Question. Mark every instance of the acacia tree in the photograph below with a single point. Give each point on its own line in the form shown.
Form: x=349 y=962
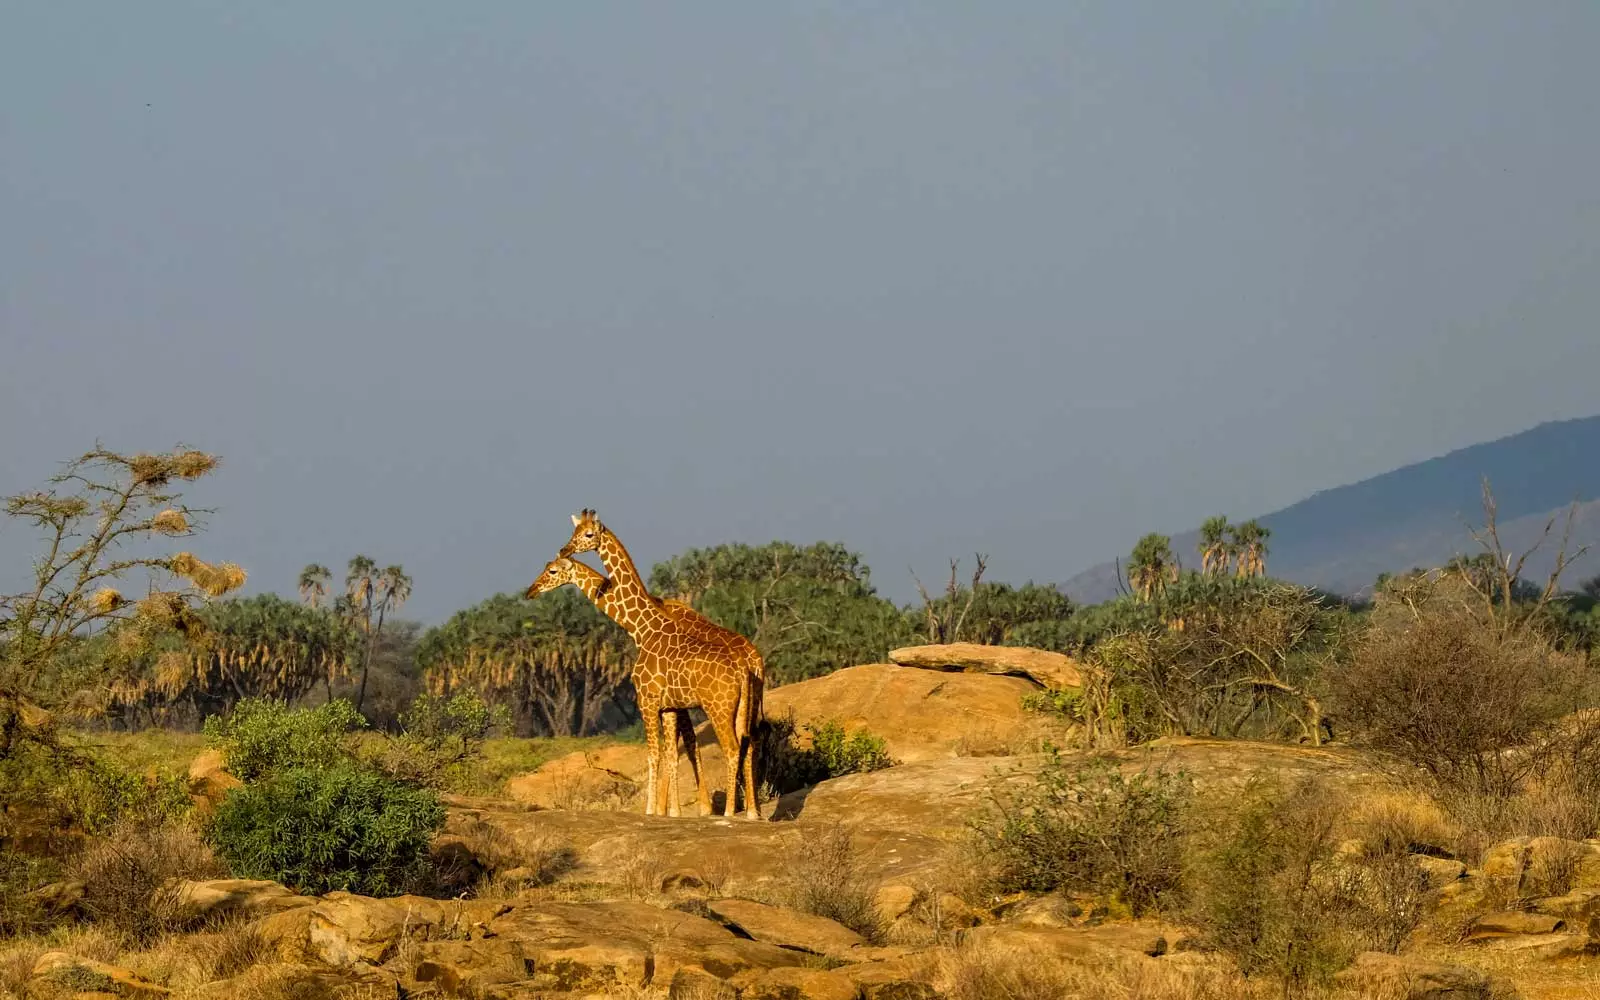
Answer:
x=102 y=519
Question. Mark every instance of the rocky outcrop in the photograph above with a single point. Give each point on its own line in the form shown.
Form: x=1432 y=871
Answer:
x=786 y=928
x=191 y=903
x=1056 y=671
x=606 y=777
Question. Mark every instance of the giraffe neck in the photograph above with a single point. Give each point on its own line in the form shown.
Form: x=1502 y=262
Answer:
x=625 y=576
x=635 y=617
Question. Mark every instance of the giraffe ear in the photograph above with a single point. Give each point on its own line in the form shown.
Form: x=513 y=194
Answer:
x=574 y=520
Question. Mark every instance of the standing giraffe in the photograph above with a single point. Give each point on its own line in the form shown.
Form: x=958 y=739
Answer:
x=589 y=535
x=679 y=665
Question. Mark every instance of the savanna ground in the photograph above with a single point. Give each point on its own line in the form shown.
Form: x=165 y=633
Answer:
x=1246 y=788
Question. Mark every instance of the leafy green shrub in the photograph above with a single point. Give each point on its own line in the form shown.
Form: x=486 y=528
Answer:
x=340 y=827
x=439 y=738
x=64 y=789
x=262 y=736
x=1092 y=829
x=786 y=766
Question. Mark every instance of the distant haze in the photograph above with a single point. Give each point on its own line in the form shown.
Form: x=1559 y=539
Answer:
x=1029 y=279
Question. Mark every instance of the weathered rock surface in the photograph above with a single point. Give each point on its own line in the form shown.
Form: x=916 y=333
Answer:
x=209 y=782
x=64 y=970
x=1056 y=671
x=796 y=984
x=585 y=779
x=1070 y=942
x=193 y=902
x=787 y=928
x=1492 y=925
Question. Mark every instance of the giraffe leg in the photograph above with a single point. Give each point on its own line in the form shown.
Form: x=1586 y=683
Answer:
x=726 y=724
x=651 y=713
x=671 y=761
x=752 y=806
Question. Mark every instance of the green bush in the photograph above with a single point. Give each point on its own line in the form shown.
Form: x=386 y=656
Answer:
x=440 y=738
x=262 y=736
x=65 y=788
x=1091 y=828
x=340 y=827
x=784 y=766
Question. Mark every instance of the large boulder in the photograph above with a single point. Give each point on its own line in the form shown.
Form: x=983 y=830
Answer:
x=1056 y=671
x=787 y=928
x=603 y=778
x=193 y=902
x=920 y=714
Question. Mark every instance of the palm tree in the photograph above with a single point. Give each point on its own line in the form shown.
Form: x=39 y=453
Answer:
x=1214 y=545
x=370 y=594
x=314 y=580
x=1152 y=566
x=1250 y=547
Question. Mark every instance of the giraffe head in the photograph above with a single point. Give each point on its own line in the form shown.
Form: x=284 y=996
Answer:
x=557 y=573
x=586 y=531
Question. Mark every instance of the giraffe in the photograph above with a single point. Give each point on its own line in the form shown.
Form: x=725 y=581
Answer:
x=679 y=665
x=589 y=535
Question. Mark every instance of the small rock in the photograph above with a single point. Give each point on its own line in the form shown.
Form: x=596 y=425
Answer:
x=86 y=975
x=1438 y=872
x=894 y=901
x=898 y=979
x=209 y=782
x=1501 y=924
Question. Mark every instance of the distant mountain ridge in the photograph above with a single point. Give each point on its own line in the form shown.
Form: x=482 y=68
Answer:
x=1340 y=539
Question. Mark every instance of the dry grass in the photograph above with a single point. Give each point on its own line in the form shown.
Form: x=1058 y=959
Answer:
x=996 y=972
x=826 y=879
x=1400 y=821
x=643 y=873
x=123 y=873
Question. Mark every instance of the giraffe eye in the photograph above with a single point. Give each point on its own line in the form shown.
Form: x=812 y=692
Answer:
x=588 y=534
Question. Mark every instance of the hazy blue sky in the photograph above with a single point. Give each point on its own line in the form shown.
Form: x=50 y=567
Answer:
x=1025 y=278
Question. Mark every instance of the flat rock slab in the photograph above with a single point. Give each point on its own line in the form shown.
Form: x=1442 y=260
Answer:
x=1056 y=671
x=787 y=928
